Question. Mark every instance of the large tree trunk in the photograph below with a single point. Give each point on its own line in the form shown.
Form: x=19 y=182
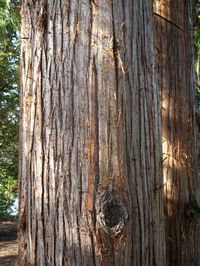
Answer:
x=90 y=182
x=174 y=46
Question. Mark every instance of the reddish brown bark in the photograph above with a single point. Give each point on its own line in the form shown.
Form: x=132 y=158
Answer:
x=90 y=135
x=174 y=47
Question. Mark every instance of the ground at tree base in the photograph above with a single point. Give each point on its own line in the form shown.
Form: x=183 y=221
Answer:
x=8 y=244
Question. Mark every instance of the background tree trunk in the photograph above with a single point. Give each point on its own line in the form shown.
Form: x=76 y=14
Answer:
x=174 y=47
x=90 y=167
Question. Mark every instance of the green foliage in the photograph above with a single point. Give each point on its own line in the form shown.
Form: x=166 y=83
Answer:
x=8 y=187
x=197 y=28
x=198 y=97
x=9 y=91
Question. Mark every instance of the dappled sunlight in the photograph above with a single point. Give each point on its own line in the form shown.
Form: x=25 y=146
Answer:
x=162 y=8
x=169 y=164
x=176 y=105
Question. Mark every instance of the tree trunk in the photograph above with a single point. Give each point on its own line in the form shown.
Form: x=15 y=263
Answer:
x=90 y=165
x=174 y=47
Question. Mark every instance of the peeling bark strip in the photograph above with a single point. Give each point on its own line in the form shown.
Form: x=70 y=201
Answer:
x=90 y=137
x=175 y=61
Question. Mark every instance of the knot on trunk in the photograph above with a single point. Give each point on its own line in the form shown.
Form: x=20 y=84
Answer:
x=192 y=210
x=112 y=213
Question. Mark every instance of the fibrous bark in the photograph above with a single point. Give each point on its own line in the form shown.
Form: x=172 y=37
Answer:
x=175 y=58
x=90 y=182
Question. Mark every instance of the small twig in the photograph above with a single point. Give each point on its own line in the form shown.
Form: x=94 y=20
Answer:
x=169 y=21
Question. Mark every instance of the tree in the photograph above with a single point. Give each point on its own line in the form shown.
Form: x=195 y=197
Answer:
x=175 y=57
x=90 y=150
